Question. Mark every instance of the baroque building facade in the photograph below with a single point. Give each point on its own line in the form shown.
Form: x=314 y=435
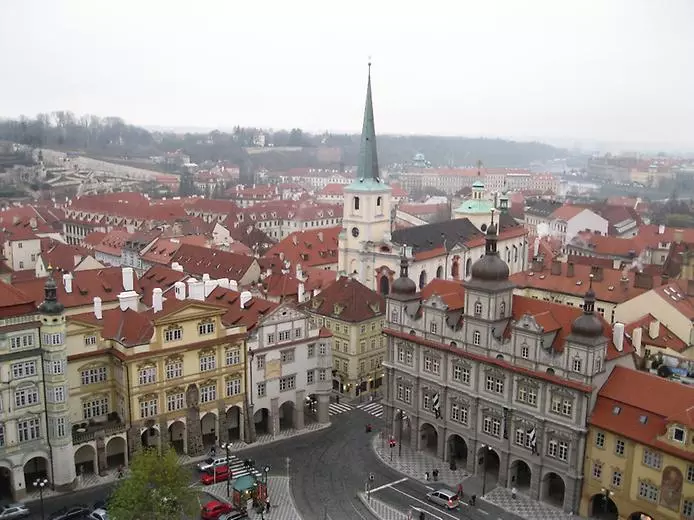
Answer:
x=498 y=383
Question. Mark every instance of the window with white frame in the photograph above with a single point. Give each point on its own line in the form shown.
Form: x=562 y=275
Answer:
x=26 y=396
x=525 y=351
x=409 y=357
x=96 y=407
x=287 y=383
x=261 y=390
x=285 y=335
x=678 y=434
x=174 y=369
x=553 y=448
x=648 y=491
x=690 y=473
x=206 y=327
x=527 y=395
x=433 y=327
x=233 y=356
x=561 y=405
x=310 y=377
x=208 y=393
x=401 y=354
x=208 y=361
x=60 y=427
x=287 y=356
x=311 y=350
x=260 y=362
x=322 y=349
x=23 y=341
x=688 y=508
x=2 y=435
x=491 y=426
x=459 y=413
x=495 y=384
x=233 y=386
x=522 y=438
x=322 y=374
x=298 y=332
x=597 y=470
x=394 y=316
x=478 y=309
x=28 y=429
x=600 y=439
x=476 y=338
x=90 y=340
x=147 y=375
x=576 y=365
x=55 y=394
x=175 y=401
x=431 y=364
x=93 y=375
x=461 y=374
x=270 y=338
x=55 y=367
x=173 y=334
x=652 y=459
x=619 y=447
x=23 y=369
x=149 y=408
x=408 y=394
x=617 y=478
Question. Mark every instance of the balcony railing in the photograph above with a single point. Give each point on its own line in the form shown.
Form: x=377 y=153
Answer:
x=82 y=433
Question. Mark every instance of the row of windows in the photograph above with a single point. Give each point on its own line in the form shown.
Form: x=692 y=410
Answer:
x=288 y=355
x=652 y=459
x=205 y=328
x=176 y=401
x=23 y=341
x=284 y=335
x=27 y=430
x=174 y=369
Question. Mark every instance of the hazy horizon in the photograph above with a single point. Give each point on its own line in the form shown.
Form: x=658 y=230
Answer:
x=612 y=71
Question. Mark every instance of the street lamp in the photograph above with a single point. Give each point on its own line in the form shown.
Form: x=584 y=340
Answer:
x=266 y=470
x=41 y=483
x=226 y=447
x=607 y=494
x=483 y=461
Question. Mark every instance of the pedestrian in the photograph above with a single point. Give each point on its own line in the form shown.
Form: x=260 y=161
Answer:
x=337 y=399
x=460 y=490
x=267 y=504
x=473 y=498
x=435 y=473
x=422 y=516
x=513 y=493
x=426 y=476
x=213 y=451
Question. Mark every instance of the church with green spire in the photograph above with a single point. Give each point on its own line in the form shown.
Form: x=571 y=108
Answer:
x=370 y=247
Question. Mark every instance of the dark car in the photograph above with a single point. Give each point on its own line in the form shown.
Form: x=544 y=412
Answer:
x=71 y=513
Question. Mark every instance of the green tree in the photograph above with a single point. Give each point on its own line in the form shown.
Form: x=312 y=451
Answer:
x=156 y=488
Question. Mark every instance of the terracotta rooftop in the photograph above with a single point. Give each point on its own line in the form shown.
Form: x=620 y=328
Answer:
x=161 y=277
x=309 y=248
x=451 y=292
x=162 y=250
x=249 y=316
x=566 y=212
x=112 y=244
x=610 y=285
x=14 y=302
x=639 y=406
x=665 y=338
x=677 y=294
x=129 y=328
x=198 y=261
x=347 y=300
x=62 y=257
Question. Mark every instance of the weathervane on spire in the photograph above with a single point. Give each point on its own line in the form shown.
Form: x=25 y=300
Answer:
x=369 y=65
x=493 y=210
x=590 y=283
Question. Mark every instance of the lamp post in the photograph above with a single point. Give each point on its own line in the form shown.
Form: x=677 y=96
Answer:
x=607 y=494
x=400 y=434
x=487 y=449
x=226 y=447
x=41 y=483
x=249 y=395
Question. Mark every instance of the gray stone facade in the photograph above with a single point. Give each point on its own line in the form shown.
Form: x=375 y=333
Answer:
x=476 y=382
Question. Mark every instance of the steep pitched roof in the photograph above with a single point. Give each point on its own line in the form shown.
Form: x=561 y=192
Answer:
x=129 y=328
x=158 y=277
x=566 y=212
x=367 y=168
x=452 y=293
x=199 y=260
x=348 y=300
x=62 y=257
x=309 y=248
x=249 y=316
x=664 y=339
x=14 y=302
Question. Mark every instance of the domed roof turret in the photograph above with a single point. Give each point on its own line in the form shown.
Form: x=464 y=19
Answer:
x=403 y=286
x=50 y=304
x=490 y=268
x=588 y=325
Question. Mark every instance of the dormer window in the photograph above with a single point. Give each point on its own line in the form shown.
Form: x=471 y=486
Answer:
x=678 y=434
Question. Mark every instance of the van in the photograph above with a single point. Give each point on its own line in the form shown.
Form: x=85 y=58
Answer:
x=212 y=462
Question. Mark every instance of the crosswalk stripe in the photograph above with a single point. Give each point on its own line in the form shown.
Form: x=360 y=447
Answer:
x=337 y=408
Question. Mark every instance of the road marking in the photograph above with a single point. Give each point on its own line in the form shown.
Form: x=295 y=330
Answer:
x=426 y=511
x=429 y=488
x=483 y=511
x=357 y=511
x=422 y=502
x=388 y=485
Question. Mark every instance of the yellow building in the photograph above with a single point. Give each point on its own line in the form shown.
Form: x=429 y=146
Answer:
x=639 y=457
x=355 y=315
x=171 y=374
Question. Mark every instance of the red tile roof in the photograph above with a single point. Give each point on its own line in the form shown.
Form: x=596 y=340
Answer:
x=158 y=277
x=249 y=316
x=611 y=285
x=112 y=244
x=639 y=406
x=62 y=257
x=452 y=293
x=566 y=212
x=162 y=250
x=105 y=283
x=198 y=261
x=129 y=328
x=309 y=248
x=93 y=239
x=348 y=300
x=665 y=338
x=14 y=302
x=675 y=294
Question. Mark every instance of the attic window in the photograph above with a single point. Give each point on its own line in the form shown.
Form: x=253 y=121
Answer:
x=616 y=410
x=643 y=419
x=678 y=434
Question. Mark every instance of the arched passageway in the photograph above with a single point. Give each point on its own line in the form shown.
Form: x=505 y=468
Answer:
x=6 y=485
x=261 y=419
x=115 y=452
x=603 y=507
x=35 y=468
x=287 y=415
x=553 y=490
x=208 y=426
x=521 y=475
x=177 y=432
x=85 y=460
x=457 y=449
x=234 y=423
x=429 y=438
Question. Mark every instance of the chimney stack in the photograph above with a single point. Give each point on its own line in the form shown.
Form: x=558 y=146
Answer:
x=180 y=290
x=128 y=300
x=661 y=229
x=556 y=267
x=177 y=267
x=205 y=277
x=618 y=336
x=299 y=273
x=301 y=293
x=245 y=297
x=157 y=299
x=67 y=282
x=570 y=269
x=196 y=290
x=223 y=283
x=654 y=329
x=643 y=281
x=127 y=279
x=636 y=336
x=233 y=285
x=97 y=308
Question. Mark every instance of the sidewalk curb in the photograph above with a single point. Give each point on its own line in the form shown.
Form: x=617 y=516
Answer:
x=367 y=503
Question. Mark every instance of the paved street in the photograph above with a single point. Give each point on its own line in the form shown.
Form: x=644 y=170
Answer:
x=327 y=469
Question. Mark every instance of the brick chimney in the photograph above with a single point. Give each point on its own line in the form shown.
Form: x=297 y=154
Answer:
x=597 y=273
x=556 y=267
x=538 y=264
x=570 y=269
x=643 y=281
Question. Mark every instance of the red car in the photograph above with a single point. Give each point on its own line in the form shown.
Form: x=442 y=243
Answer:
x=218 y=474
x=214 y=509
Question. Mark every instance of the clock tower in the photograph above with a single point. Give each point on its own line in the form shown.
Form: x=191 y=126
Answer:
x=367 y=205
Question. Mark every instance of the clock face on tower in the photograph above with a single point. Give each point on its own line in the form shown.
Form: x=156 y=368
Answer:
x=355 y=232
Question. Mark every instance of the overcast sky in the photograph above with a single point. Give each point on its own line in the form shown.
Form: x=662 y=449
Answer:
x=617 y=70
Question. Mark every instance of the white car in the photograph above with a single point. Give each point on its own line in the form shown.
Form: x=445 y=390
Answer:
x=98 y=514
x=12 y=511
x=212 y=462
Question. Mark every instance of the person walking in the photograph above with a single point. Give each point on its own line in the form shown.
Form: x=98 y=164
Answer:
x=267 y=504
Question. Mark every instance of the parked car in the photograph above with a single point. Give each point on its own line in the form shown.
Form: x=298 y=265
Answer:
x=234 y=515
x=98 y=514
x=212 y=462
x=71 y=513
x=444 y=497
x=12 y=511
x=218 y=474
x=214 y=509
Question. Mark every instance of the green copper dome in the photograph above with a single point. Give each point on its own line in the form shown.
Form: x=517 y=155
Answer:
x=475 y=206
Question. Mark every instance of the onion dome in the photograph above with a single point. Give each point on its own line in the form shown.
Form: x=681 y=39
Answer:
x=588 y=325
x=50 y=304
x=490 y=268
x=404 y=286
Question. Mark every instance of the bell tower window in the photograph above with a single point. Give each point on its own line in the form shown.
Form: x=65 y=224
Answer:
x=356 y=203
x=378 y=202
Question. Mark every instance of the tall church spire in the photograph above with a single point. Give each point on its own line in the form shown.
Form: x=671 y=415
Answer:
x=368 y=156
